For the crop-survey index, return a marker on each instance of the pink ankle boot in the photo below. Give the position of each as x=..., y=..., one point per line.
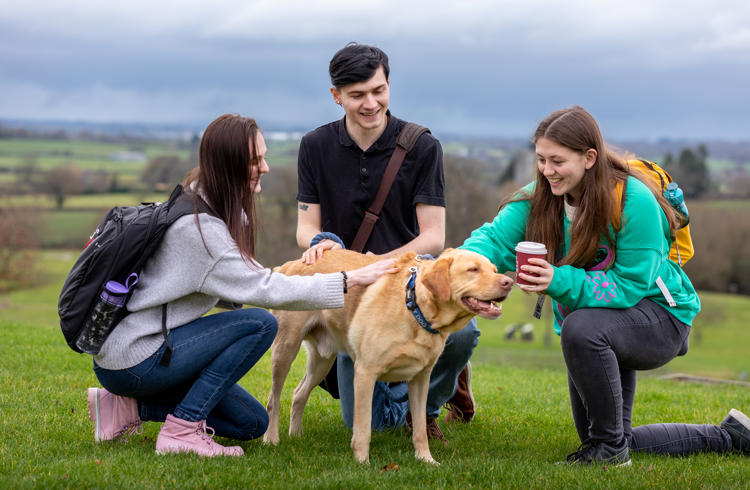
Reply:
x=113, y=415
x=181, y=436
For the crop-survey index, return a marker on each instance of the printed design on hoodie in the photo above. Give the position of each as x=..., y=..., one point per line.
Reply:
x=602, y=287
x=563, y=310
x=604, y=258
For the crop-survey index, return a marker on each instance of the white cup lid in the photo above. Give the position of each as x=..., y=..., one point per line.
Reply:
x=531, y=248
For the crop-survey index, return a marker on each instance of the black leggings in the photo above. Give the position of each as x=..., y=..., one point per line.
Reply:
x=603, y=348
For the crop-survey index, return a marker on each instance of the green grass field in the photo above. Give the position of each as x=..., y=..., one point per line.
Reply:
x=97, y=163
x=84, y=201
x=522, y=427
x=86, y=150
x=86, y=155
x=92, y=155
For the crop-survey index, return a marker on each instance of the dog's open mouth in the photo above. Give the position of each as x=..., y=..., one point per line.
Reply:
x=484, y=308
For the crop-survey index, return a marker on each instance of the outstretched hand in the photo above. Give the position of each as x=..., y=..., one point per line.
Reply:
x=543, y=278
x=370, y=273
x=315, y=252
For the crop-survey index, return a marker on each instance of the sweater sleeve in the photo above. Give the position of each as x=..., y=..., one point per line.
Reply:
x=233, y=279
x=497, y=240
x=210, y=263
x=642, y=247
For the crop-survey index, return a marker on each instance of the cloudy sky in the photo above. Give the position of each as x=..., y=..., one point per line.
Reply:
x=644, y=68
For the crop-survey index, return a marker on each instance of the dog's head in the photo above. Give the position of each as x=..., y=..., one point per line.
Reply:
x=468, y=280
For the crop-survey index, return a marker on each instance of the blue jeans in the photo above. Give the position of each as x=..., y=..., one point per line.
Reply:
x=603, y=349
x=209, y=357
x=390, y=402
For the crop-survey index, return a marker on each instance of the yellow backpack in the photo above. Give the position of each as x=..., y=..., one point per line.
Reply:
x=682, y=244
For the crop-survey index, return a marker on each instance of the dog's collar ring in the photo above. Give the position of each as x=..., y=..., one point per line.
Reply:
x=411, y=302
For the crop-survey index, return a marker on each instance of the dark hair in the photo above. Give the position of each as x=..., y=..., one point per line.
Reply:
x=227, y=150
x=356, y=63
x=577, y=130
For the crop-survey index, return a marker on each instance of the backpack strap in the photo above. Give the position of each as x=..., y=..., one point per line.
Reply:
x=178, y=205
x=406, y=140
x=167, y=356
x=619, y=204
x=650, y=166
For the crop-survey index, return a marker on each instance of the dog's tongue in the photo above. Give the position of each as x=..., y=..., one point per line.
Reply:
x=484, y=308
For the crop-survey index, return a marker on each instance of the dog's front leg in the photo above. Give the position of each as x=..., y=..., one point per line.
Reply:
x=364, y=384
x=418, y=388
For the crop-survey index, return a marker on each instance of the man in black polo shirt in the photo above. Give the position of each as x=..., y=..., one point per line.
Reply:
x=340, y=166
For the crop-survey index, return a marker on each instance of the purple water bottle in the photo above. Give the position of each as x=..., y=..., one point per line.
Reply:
x=105, y=315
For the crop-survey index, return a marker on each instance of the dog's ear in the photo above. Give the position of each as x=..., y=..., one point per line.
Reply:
x=437, y=279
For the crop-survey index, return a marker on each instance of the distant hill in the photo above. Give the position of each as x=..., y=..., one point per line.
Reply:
x=491, y=150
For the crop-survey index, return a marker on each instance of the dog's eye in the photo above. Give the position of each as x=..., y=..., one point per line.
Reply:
x=474, y=269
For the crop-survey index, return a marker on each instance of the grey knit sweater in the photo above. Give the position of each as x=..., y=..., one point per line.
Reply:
x=182, y=274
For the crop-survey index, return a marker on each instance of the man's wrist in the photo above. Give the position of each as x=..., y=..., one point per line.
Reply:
x=326, y=235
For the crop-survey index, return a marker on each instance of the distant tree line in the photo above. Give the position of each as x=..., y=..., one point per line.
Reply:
x=121, y=137
x=689, y=168
x=69, y=179
x=690, y=171
x=64, y=181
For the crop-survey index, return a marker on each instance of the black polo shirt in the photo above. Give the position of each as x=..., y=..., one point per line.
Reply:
x=336, y=174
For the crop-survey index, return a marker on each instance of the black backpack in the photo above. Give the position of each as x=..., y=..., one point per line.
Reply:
x=120, y=246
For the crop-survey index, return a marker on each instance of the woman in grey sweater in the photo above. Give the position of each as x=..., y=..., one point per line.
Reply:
x=203, y=259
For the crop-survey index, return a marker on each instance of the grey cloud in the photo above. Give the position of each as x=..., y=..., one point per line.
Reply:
x=647, y=68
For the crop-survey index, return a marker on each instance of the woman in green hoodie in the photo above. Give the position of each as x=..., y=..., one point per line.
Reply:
x=620, y=303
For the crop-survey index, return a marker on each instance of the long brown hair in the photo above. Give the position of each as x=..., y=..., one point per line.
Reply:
x=576, y=129
x=227, y=152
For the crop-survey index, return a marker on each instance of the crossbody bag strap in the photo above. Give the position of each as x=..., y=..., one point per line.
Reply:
x=167, y=356
x=406, y=140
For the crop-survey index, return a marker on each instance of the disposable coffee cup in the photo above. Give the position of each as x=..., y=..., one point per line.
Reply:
x=526, y=251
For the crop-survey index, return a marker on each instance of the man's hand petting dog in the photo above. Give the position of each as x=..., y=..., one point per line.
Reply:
x=315, y=252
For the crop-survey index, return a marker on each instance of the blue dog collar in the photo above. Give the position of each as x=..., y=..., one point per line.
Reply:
x=411, y=302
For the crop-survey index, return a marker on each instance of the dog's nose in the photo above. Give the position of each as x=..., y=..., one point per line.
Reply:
x=505, y=281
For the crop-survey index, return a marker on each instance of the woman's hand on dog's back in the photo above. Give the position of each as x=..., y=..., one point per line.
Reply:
x=370, y=273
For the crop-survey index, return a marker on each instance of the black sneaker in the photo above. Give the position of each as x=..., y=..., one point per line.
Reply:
x=738, y=426
x=600, y=453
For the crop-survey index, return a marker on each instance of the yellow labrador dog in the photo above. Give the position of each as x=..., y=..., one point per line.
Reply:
x=382, y=334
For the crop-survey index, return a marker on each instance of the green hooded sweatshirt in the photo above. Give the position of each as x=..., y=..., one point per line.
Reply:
x=642, y=268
